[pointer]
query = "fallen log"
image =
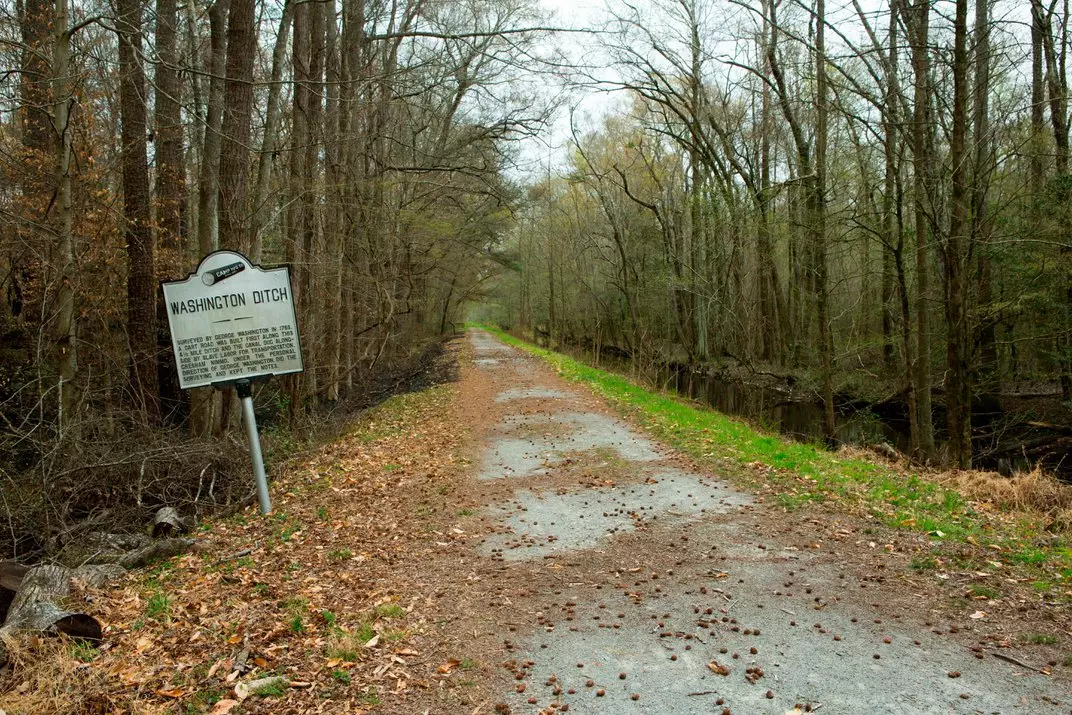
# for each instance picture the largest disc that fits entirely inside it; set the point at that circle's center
(163, 549)
(38, 605)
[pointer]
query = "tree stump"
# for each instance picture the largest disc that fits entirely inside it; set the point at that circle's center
(38, 603)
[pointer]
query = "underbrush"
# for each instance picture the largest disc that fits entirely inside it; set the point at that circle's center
(109, 472)
(1025, 521)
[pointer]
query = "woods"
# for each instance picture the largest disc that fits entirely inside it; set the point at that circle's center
(362, 143)
(870, 200)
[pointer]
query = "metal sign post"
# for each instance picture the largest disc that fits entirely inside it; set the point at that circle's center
(232, 323)
(245, 393)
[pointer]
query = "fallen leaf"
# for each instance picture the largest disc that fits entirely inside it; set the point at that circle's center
(448, 666)
(977, 615)
(173, 693)
(223, 707)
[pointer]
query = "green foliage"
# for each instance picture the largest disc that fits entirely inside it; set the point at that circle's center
(82, 651)
(984, 591)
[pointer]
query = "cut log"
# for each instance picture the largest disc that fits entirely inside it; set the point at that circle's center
(37, 606)
(168, 522)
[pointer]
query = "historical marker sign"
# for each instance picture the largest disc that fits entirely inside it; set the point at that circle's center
(231, 320)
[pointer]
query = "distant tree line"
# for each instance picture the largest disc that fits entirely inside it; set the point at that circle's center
(879, 195)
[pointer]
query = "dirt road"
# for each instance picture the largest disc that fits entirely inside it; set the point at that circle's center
(637, 584)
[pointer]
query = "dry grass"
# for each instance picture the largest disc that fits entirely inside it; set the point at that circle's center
(48, 678)
(1035, 493)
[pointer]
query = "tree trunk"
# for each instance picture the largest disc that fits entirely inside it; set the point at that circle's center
(826, 346)
(141, 277)
(170, 191)
(269, 143)
(954, 250)
(918, 20)
(234, 218)
(65, 332)
(208, 184)
(981, 221)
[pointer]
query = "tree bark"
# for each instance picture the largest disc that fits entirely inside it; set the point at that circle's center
(208, 184)
(234, 217)
(170, 191)
(982, 225)
(917, 17)
(65, 331)
(826, 346)
(954, 250)
(270, 141)
(141, 277)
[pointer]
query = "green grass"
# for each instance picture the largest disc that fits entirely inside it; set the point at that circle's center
(158, 607)
(796, 473)
(390, 610)
(341, 676)
(365, 632)
(984, 592)
(924, 563)
(83, 652)
(465, 512)
(1040, 639)
(340, 554)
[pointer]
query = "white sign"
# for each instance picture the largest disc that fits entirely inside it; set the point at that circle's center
(232, 320)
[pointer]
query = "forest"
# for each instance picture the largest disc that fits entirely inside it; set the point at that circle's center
(870, 198)
(361, 143)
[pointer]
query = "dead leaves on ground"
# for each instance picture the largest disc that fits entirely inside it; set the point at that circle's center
(316, 612)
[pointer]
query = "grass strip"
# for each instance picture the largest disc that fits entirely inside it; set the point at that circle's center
(797, 473)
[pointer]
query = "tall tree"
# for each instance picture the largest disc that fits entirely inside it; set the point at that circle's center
(954, 248)
(141, 269)
(917, 18)
(234, 216)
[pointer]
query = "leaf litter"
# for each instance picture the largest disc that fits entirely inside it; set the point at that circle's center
(322, 606)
